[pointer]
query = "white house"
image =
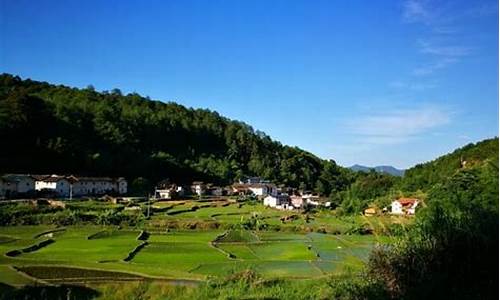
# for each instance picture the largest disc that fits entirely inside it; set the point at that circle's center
(297, 201)
(311, 199)
(278, 201)
(54, 183)
(404, 206)
(198, 188)
(251, 180)
(98, 185)
(164, 194)
(261, 189)
(66, 186)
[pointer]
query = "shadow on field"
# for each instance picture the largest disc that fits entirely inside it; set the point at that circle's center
(47, 292)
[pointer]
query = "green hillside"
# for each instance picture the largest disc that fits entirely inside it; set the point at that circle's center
(424, 176)
(48, 128)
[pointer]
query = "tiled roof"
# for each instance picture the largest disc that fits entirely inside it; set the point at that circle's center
(407, 201)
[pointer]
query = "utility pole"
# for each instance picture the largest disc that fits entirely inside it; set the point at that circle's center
(149, 205)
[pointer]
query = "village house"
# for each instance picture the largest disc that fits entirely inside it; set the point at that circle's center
(263, 189)
(167, 191)
(8, 188)
(57, 184)
(240, 189)
(16, 185)
(278, 201)
(311, 199)
(164, 190)
(198, 188)
(251, 180)
(297, 201)
(82, 186)
(215, 191)
(69, 186)
(404, 206)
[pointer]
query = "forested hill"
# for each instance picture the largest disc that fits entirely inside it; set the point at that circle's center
(423, 176)
(47, 128)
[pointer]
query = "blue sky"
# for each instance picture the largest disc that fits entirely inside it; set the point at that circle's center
(368, 82)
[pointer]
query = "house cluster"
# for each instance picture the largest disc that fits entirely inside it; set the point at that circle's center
(268, 192)
(165, 190)
(19, 185)
(404, 206)
(401, 206)
(297, 200)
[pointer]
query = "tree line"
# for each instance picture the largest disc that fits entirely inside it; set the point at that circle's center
(47, 128)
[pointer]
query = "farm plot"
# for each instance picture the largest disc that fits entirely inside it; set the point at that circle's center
(180, 251)
(75, 246)
(54, 274)
(342, 250)
(19, 237)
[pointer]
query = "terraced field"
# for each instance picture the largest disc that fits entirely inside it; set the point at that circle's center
(98, 253)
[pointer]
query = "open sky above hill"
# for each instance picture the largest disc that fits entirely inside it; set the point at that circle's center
(368, 82)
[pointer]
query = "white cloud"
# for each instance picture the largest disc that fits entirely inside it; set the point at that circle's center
(432, 67)
(442, 19)
(445, 56)
(416, 11)
(413, 86)
(448, 51)
(398, 125)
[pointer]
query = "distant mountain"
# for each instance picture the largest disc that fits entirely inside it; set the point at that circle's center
(381, 169)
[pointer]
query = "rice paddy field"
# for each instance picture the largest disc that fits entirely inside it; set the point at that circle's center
(85, 254)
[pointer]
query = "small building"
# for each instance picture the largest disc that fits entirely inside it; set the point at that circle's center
(297, 201)
(168, 191)
(166, 194)
(95, 186)
(69, 186)
(261, 189)
(8, 188)
(251, 180)
(198, 188)
(404, 206)
(57, 184)
(215, 191)
(370, 211)
(15, 185)
(240, 189)
(311, 199)
(278, 201)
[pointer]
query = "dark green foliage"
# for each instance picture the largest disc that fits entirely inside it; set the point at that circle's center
(424, 176)
(366, 188)
(452, 251)
(71, 292)
(27, 214)
(56, 129)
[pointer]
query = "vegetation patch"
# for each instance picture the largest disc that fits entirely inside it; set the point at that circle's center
(32, 248)
(50, 233)
(67, 274)
(143, 236)
(237, 236)
(134, 252)
(6, 239)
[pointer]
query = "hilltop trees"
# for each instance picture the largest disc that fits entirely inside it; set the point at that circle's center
(49, 128)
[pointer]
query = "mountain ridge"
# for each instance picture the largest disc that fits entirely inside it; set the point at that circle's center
(381, 169)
